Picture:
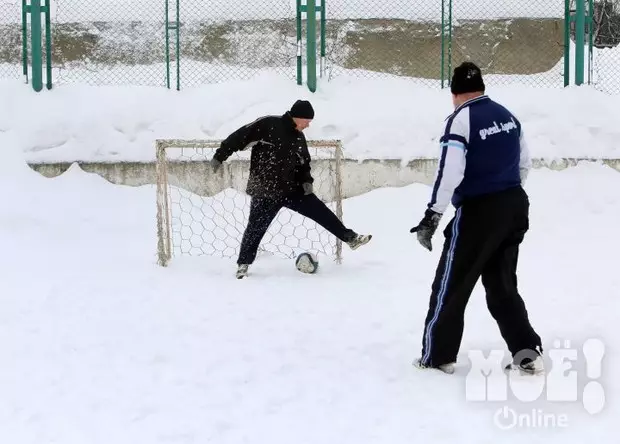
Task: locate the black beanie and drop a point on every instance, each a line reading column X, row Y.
column 467, row 78
column 302, row 109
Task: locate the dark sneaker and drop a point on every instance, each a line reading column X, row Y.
column 528, row 365
column 242, row 271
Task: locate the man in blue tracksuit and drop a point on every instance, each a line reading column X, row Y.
column 484, row 161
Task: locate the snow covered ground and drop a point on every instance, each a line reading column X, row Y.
column 374, row 118
column 100, row 345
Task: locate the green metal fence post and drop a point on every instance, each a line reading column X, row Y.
column 35, row 44
column 48, row 45
column 178, row 45
column 25, row 39
column 579, row 41
column 443, row 42
column 590, row 39
column 167, row 42
column 176, row 27
column 450, row 42
column 323, row 15
column 299, row 63
column 446, row 72
column 567, row 26
column 311, row 44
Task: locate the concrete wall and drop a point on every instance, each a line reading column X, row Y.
column 358, row 177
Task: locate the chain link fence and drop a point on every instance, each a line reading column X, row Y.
column 606, row 45
column 116, row 42
column 120, row 42
column 510, row 40
column 369, row 38
column 10, row 39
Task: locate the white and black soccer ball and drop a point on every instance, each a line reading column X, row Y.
column 307, row 263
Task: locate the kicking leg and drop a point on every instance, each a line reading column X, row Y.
column 262, row 213
column 313, row 208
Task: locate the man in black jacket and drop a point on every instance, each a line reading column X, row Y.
column 279, row 177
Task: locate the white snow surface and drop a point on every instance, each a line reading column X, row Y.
column 100, row 345
column 384, row 118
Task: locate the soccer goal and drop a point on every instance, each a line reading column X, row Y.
column 204, row 213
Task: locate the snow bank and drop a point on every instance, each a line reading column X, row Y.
column 375, row 118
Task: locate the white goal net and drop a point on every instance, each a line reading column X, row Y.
column 204, row 213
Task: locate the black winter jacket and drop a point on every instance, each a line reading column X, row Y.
column 279, row 162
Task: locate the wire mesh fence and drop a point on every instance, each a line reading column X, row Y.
column 119, row 42
column 369, row 38
column 115, row 42
column 511, row 41
column 10, row 39
column 606, row 45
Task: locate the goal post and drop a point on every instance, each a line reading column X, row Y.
column 200, row 212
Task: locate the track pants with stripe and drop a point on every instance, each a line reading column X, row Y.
column 263, row 211
column 482, row 240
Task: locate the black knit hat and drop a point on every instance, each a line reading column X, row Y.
column 467, row 78
column 302, row 109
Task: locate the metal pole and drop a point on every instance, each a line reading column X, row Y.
column 311, row 43
column 25, row 39
column 323, row 17
column 580, row 24
column 37, row 55
column 299, row 61
column 48, row 45
column 443, row 41
column 167, row 26
column 178, row 46
column 567, row 23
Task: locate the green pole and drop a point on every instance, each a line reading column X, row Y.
column 443, row 42
column 580, row 23
column 37, row 56
column 450, row 42
column 48, row 45
column 590, row 39
column 299, row 64
column 167, row 26
column 178, row 46
column 567, row 23
column 25, row 38
column 323, row 16
column 311, row 44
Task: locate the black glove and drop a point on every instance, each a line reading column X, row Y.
column 215, row 164
column 308, row 188
column 426, row 228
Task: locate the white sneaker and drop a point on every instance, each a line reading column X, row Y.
column 359, row 240
column 446, row 368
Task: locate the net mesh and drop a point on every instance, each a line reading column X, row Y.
column 205, row 213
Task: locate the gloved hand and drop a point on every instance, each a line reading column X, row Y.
column 426, row 228
column 308, row 188
column 215, row 164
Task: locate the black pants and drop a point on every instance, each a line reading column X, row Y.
column 482, row 240
column 263, row 211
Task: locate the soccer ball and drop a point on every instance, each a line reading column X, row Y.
column 307, row 263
